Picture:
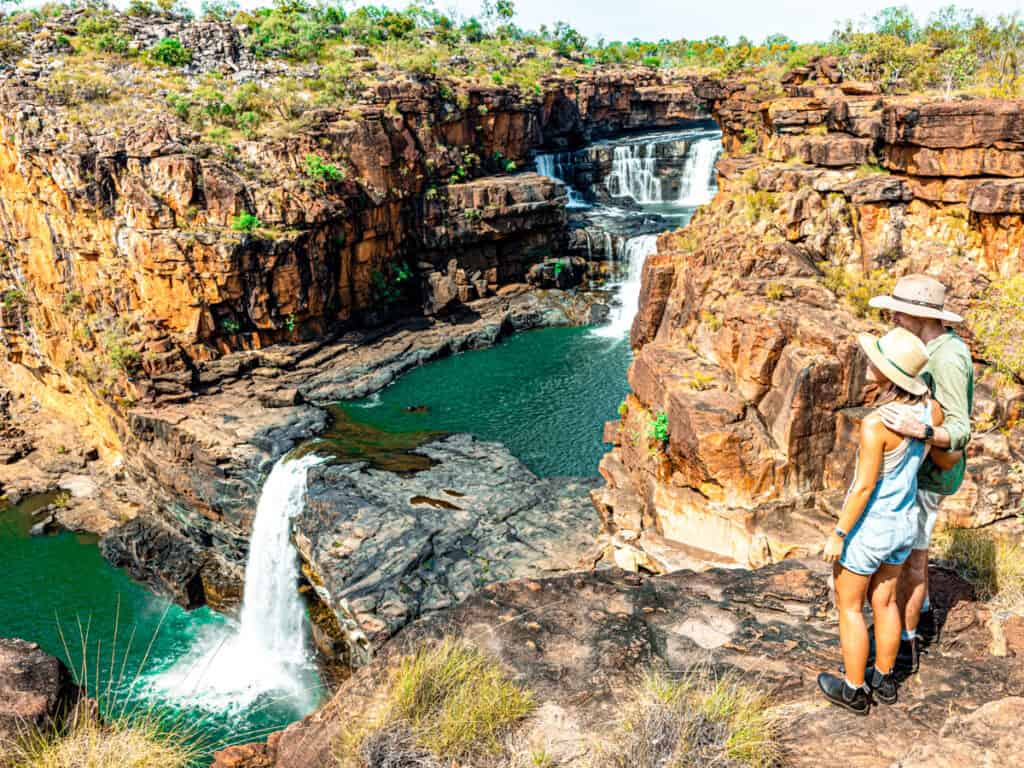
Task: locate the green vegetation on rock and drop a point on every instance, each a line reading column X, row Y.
column 448, row 701
column 702, row 718
column 997, row 323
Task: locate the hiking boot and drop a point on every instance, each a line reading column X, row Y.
column 883, row 687
column 838, row 692
column 907, row 659
column 927, row 627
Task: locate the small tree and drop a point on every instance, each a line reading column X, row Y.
column 955, row 67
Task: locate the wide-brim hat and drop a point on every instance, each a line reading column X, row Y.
column 920, row 296
column 900, row 356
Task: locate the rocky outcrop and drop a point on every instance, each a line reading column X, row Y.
column 744, row 337
column 382, row 548
column 198, row 466
column 36, row 691
column 580, row 642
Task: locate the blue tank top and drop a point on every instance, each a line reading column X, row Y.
column 895, row 490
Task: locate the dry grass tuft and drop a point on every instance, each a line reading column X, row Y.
column 702, row 719
column 129, row 742
column 447, row 702
column 994, row 564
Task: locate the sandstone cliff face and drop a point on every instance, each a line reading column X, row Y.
column 745, row 334
column 194, row 305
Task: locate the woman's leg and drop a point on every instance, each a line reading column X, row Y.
column 853, row 632
column 882, row 593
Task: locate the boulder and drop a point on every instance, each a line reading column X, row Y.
column 36, row 690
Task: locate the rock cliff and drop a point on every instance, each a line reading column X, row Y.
column 745, row 341
column 194, row 304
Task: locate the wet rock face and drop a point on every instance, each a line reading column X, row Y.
column 381, row 548
column 36, row 690
column 582, row 641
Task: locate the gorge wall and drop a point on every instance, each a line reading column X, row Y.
column 745, row 337
column 193, row 306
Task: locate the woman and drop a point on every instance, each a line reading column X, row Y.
column 878, row 523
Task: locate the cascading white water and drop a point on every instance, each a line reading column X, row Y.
column 268, row 651
column 635, row 252
column 633, row 173
column 555, row 166
column 697, row 186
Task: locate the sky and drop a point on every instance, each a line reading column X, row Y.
column 802, row 20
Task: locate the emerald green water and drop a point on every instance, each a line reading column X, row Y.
column 60, row 584
column 545, row 394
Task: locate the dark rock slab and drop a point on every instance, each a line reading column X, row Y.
column 383, row 548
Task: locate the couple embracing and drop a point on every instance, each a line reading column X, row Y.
column 911, row 456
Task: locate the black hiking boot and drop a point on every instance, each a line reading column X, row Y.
column 908, row 659
column 927, row 627
column 883, row 687
column 838, row 692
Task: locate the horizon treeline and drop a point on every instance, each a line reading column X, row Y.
column 952, row 50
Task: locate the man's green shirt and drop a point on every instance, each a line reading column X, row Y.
column 950, row 376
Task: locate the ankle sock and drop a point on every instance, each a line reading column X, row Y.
column 880, row 673
column 908, row 634
column 854, row 687
column 926, row 605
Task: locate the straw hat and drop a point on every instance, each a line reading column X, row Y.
column 920, row 296
column 900, row 356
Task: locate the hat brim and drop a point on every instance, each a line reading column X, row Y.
column 913, row 385
column 916, row 310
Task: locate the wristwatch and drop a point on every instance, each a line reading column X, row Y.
column 840, row 532
column 929, row 433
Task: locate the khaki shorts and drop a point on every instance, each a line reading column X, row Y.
column 928, row 503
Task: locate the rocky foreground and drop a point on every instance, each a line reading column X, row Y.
column 582, row 641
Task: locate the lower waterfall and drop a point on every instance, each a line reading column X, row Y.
column 267, row 653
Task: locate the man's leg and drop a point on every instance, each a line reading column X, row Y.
column 912, row 592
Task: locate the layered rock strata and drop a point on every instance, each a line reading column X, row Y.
column 745, row 340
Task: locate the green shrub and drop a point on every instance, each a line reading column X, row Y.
column 456, row 700
column 857, row 288
column 623, row 409
column 651, row 61
column 245, row 222
column 997, row 322
column 318, row 170
column 993, row 563
column 775, row 291
column 230, row 326
column 120, row 351
column 657, row 429
column 170, row 52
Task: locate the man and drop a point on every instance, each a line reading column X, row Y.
column 917, row 304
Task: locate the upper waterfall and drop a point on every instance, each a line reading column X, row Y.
column 698, row 183
column 633, row 173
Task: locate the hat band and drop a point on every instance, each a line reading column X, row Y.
column 929, row 304
column 891, row 362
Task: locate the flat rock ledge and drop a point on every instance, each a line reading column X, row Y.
column 383, row 548
column 580, row 641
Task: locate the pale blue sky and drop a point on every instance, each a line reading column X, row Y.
column 803, row 20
